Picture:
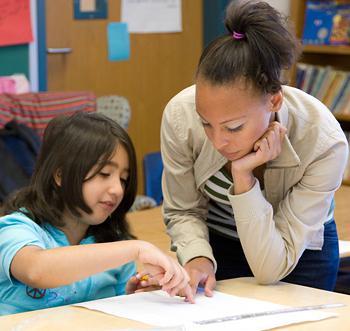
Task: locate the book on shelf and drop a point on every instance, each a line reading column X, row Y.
column 309, row 77
column 329, row 85
column 346, row 175
column 340, row 34
column 311, row 73
column 334, row 87
column 325, row 84
column 327, row 22
column 318, row 22
column 322, row 72
column 342, row 91
column 315, row 72
column 343, row 105
column 300, row 75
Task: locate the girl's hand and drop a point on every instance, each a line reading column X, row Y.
column 170, row 275
column 141, row 282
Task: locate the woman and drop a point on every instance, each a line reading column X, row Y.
column 250, row 165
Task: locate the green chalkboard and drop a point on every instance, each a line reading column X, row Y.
column 14, row 60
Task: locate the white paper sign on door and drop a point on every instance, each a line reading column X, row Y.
column 152, row 16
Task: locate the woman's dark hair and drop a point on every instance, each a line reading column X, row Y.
column 262, row 47
column 72, row 146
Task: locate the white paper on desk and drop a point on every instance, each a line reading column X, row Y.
column 150, row 16
column 159, row 309
column 344, row 248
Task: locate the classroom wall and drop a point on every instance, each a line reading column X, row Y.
column 281, row 5
column 213, row 18
column 160, row 65
column 22, row 59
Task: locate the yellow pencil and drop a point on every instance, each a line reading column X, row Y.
column 144, row 278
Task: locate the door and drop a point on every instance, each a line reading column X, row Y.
column 160, row 65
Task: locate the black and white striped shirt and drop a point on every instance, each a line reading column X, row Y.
column 220, row 217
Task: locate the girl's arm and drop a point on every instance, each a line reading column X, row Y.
column 57, row 267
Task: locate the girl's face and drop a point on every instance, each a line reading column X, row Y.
column 104, row 191
column 233, row 117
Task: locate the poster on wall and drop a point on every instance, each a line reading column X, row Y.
column 90, row 9
column 15, row 23
column 152, row 16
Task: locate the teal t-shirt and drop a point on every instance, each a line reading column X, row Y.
column 17, row 231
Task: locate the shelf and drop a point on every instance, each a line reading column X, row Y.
column 342, row 117
column 336, row 56
column 346, row 182
column 327, row 49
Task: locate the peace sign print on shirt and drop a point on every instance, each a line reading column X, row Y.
column 35, row 293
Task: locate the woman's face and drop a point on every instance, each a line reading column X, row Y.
column 233, row 117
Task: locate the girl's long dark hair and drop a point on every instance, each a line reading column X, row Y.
column 72, row 146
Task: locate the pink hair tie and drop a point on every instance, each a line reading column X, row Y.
column 237, row 35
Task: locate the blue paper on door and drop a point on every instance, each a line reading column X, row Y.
column 118, row 41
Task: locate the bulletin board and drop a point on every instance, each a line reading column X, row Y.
column 14, row 59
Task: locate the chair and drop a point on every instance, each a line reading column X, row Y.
column 115, row 107
column 152, row 171
column 343, row 280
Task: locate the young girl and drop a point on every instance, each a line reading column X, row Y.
column 64, row 238
column 251, row 165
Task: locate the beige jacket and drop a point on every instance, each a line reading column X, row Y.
column 276, row 227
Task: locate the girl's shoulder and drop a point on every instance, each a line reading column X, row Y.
column 22, row 229
column 16, row 219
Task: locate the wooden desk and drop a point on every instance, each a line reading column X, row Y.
column 148, row 225
column 342, row 212
column 80, row 319
column 342, row 219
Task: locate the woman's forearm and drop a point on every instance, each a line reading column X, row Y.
column 243, row 182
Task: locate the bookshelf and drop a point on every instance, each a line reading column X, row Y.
column 326, row 49
column 337, row 57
